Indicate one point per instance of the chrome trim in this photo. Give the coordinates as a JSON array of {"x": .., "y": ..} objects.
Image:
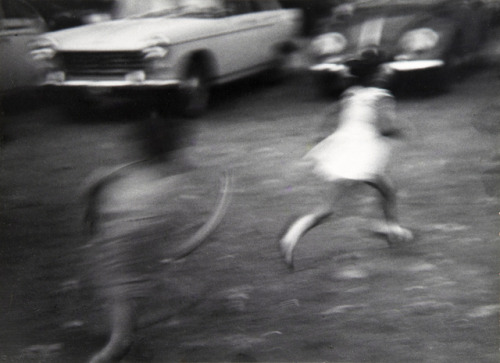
[
  {"x": 115, "y": 83},
  {"x": 329, "y": 67},
  {"x": 415, "y": 65}
]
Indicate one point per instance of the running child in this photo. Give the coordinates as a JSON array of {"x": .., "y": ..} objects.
[{"x": 357, "y": 151}]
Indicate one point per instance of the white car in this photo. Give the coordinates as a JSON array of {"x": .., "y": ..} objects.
[{"x": 186, "y": 45}]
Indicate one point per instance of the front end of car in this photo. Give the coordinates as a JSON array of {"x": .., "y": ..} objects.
[
  {"x": 337, "y": 64},
  {"x": 67, "y": 66},
  {"x": 418, "y": 51},
  {"x": 413, "y": 39},
  {"x": 330, "y": 68}
]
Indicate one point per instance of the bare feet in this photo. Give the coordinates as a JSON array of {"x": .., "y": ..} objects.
[
  {"x": 397, "y": 234},
  {"x": 394, "y": 233},
  {"x": 286, "y": 246}
]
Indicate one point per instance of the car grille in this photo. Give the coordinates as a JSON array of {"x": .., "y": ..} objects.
[{"x": 101, "y": 63}]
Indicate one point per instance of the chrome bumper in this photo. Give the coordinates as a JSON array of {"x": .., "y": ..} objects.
[
  {"x": 416, "y": 65},
  {"x": 399, "y": 66},
  {"x": 329, "y": 68},
  {"x": 113, "y": 84},
  {"x": 134, "y": 79}
]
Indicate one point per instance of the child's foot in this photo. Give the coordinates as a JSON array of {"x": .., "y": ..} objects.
[
  {"x": 288, "y": 238},
  {"x": 292, "y": 235},
  {"x": 286, "y": 247},
  {"x": 394, "y": 233},
  {"x": 397, "y": 234}
]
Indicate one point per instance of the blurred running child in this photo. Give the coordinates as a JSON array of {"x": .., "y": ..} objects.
[
  {"x": 356, "y": 152},
  {"x": 126, "y": 207}
]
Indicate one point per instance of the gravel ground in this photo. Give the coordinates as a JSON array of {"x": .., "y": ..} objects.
[{"x": 350, "y": 298}]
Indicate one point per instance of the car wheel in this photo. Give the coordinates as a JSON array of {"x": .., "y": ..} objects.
[
  {"x": 441, "y": 80},
  {"x": 453, "y": 69},
  {"x": 282, "y": 66},
  {"x": 194, "y": 92}
]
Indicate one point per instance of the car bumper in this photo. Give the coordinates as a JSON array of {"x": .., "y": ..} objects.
[
  {"x": 416, "y": 65},
  {"x": 341, "y": 69},
  {"x": 130, "y": 80},
  {"x": 113, "y": 84},
  {"x": 332, "y": 68}
]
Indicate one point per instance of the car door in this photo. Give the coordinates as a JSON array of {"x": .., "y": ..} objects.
[
  {"x": 254, "y": 30},
  {"x": 19, "y": 24},
  {"x": 239, "y": 53},
  {"x": 273, "y": 27}
]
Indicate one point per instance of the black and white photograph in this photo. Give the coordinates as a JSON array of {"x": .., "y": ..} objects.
[{"x": 250, "y": 181}]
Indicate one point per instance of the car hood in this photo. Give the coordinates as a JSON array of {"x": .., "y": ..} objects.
[
  {"x": 129, "y": 34},
  {"x": 393, "y": 24}
]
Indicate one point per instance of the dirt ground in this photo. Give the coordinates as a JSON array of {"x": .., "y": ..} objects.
[{"x": 350, "y": 298}]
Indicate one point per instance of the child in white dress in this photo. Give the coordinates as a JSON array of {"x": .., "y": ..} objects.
[{"x": 358, "y": 151}]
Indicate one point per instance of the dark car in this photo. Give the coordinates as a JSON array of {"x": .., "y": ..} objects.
[
  {"x": 20, "y": 24},
  {"x": 424, "y": 38}
]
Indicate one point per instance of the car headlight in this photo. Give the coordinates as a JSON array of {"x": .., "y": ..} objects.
[
  {"x": 155, "y": 52},
  {"x": 156, "y": 47},
  {"x": 330, "y": 43},
  {"x": 419, "y": 40},
  {"x": 42, "y": 49}
]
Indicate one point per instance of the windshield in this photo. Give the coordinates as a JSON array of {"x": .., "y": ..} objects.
[{"x": 156, "y": 8}]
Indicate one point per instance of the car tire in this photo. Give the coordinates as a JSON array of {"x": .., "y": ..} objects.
[
  {"x": 441, "y": 80},
  {"x": 194, "y": 93},
  {"x": 453, "y": 68},
  {"x": 282, "y": 67},
  {"x": 276, "y": 73}
]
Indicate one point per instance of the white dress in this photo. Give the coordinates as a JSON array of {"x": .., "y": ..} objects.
[{"x": 357, "y": 150}]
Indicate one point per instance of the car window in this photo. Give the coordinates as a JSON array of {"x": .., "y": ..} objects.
[
  {"x": 129, "y": 8},
  {"x": 203, "y": 8},
  {"x": 200, "y": 4},
  {"x": 155, "y": 8},
  {"x": 236, "y": 7},
  {"x": 265, "y": 5}
]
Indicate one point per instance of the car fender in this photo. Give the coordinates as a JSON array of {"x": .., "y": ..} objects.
[{"x": 448, "y": 34}]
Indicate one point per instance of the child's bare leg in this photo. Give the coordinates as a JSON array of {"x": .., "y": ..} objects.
[
  {"x": 306, "y": 222},
  {"x": 298, "y": 229},
  {"x": 395, "y": 233},
  {"x": 122, "y": 316}
]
